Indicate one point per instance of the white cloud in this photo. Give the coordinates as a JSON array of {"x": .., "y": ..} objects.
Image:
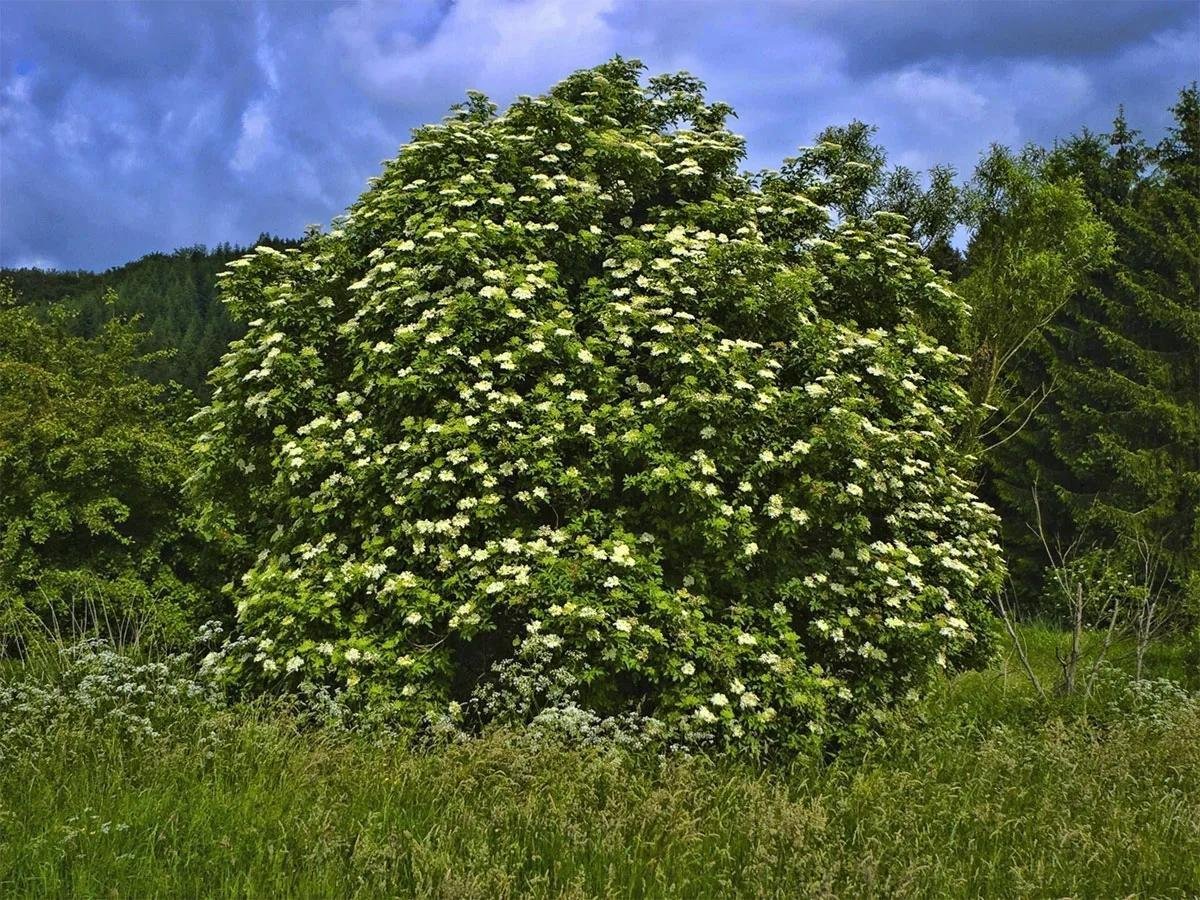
[
  {"x": 499, "y": 47},
  {"x": 263, "y": 53},
  {"x": 255, "y": 139},
  {"x": 34, "y": 262},
  {"x": 71, "y": 132},
  {"x": 937, "y": 99}
]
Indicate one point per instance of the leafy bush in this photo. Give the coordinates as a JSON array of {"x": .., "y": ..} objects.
[
  {"x": 563, "y": 380},
  {"x": 93, "y": 527}
]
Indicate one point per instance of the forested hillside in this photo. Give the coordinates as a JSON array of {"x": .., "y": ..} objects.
[
  {"x": 1109, "y": 451},
  {"x": 174, "y": 294}
]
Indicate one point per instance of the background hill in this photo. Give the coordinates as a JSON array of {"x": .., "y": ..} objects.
[{"x": 174, "y": 294}]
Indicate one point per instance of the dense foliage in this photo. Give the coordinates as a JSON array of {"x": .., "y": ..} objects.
[
  {"x": 570, "y": 448},
  {"x": 91, "y": 475},
  {"x": 1035, "y": 240},
  {"x": 1116, "y": 446},
  {"x": 568, "y": 420},
  {"x": 567, "y": 410}
]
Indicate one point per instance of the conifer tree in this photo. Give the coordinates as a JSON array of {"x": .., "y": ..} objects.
[{"x": 1117, "y": 447}]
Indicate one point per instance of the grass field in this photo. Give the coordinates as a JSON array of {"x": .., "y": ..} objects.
[{"x": 979, "y": 791}]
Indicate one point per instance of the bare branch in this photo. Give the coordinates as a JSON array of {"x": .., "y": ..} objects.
[{"x": 1019, "y": 428}]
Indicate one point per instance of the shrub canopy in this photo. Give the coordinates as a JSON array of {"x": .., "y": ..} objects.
[
  {"x": 93, "y": 524},
  {"x": 565, "y": 394}
]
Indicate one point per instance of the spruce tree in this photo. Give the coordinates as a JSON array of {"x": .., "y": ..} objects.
[{"x": 1116, "y": 450}]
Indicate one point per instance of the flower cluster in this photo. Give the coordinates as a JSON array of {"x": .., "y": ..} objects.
[
  {"x": 94, "y": 686},
  {"x": 563, "y": 375}
]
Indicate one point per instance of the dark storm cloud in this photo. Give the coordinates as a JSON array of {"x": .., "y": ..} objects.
[
  {"x": 957, "y": 32},
  {"x": 126, "y": 128}
]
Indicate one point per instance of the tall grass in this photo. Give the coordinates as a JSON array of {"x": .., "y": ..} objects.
[{"x": 977, "y": 792}]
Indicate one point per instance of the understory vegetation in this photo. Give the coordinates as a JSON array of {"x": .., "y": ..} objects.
[
  {"x": 123, "y": 778},
  {"x": 580, "y": 515}
]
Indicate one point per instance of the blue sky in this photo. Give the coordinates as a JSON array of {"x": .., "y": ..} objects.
[{"x": 127, "y": 128}]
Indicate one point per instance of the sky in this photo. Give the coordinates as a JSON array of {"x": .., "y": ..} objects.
[{"x": 127, "y": 128}]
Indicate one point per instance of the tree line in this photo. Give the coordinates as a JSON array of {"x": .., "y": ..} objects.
[
  {"x": 173, "y": 296},
  {"x": 1081, "y": 265}
]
